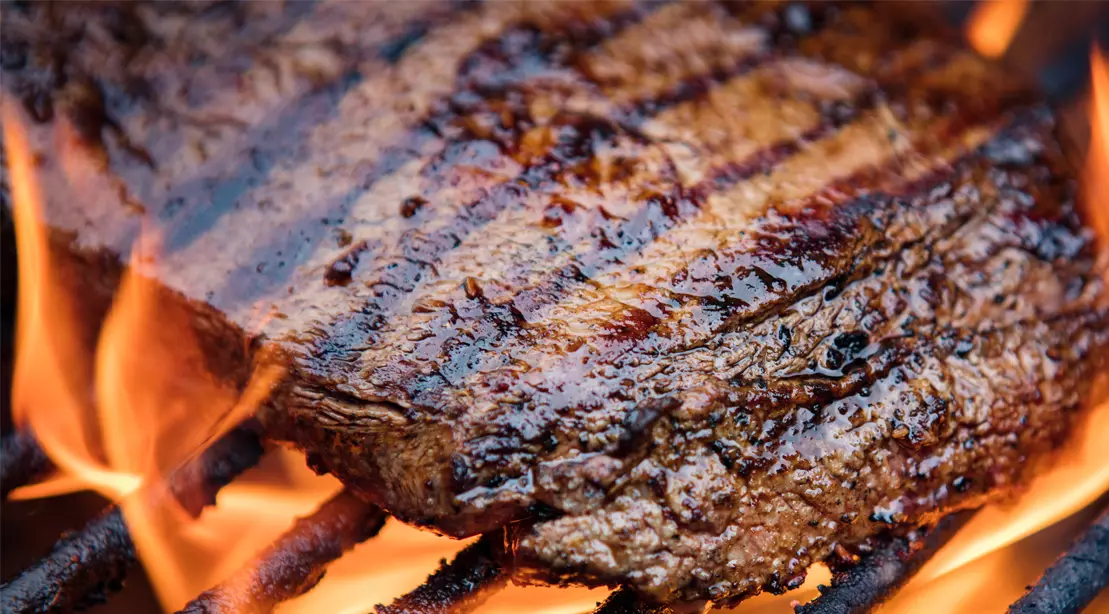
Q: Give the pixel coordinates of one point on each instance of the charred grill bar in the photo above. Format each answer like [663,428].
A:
[1075,579]
[22,461]
[459,586]
[296,561]
[84,569]
[878,575]
[88,565]
[624,601]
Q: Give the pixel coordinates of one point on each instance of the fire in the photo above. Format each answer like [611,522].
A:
[1096,184]
[53,370]
[118,399]
[993,24]
[117,403]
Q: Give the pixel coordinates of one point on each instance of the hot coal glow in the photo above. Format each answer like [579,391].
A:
[116,409]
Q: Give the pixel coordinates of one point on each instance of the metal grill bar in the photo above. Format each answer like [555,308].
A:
[626,601]
[22,461]
[459,586]
[296,561]
[1075,579]
[876,577]
[86,566]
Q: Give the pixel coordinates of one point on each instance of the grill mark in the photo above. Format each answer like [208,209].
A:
[395,272]
[206,106]
[295,240]
[846,237]
[668,210]
[931,184]
[623,68]
[845,217]
[662,211]
[401,276]
[665,211]
[966,252]
[671,202]
[82,79]
[653,105]
[206,200]
[762,21]
[770,20]
[649,340]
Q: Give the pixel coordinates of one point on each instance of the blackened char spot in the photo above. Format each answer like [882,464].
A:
[640,419]
[411,205]
[852,343]
[540,511]
[340,271]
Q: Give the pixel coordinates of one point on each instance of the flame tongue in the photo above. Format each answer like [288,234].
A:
[993,25]
[53,369]
[1096,175]
[120,403]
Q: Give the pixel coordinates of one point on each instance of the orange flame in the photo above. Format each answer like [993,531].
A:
[1096,177]
[993,25]
[53,369]
[119,403]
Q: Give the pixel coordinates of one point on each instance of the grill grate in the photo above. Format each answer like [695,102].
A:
[1075,579]
[876,577]
[296,561]
[22,461]
[458,586]
[86,566]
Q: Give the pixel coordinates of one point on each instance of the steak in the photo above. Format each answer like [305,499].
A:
[689,294]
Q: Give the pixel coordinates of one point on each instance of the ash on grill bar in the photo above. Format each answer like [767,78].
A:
[661,306]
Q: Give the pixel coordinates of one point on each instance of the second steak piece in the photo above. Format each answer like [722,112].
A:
[697,293]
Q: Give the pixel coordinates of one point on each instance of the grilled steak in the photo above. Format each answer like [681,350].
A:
[696,293]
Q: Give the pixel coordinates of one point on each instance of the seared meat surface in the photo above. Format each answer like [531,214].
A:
[695,292]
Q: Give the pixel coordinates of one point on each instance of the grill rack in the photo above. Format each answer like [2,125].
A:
[87,566]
